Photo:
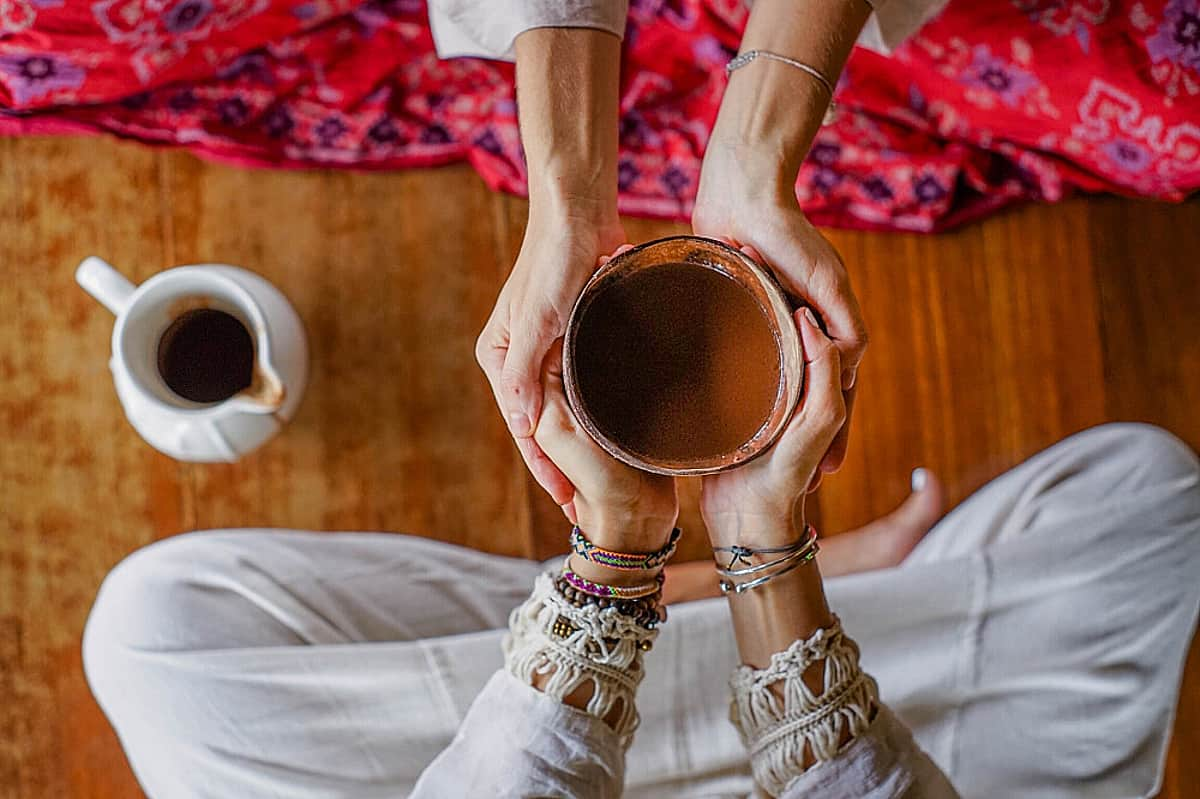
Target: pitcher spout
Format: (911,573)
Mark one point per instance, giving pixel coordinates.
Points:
(266,391)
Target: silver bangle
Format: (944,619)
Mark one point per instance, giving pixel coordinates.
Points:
(799,548)
(748,56)
(797,555)
(738,588)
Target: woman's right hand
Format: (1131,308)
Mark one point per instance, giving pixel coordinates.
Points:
(761,504)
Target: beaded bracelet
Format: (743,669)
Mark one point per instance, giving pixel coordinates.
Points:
(645,611)
(611,591)
(622,561)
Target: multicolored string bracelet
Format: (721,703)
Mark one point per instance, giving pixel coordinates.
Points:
(622,561)
(611,591)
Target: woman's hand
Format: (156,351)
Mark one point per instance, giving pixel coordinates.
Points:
(557,257)
(759,208)
(761,504)
(769,115)
(567,93)
(618,507)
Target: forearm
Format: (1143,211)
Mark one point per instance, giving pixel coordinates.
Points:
(567,95)
(771,111)
(800,698)
(767,619)
(649,536)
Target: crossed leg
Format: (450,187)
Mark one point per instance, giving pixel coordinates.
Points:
(1033,640)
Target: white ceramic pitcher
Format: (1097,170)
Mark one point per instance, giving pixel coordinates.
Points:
(193,431)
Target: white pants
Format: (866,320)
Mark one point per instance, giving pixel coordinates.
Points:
(1034,641)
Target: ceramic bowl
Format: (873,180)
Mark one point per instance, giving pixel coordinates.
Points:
(747,273)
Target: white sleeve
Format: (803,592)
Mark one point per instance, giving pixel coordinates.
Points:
(515,741)
(896,20)
(488,28)
(883,763)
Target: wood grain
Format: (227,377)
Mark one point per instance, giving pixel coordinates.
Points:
(989,344)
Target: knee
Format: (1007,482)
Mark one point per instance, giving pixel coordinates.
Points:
(1149,480)
(150,602)
(1152,453)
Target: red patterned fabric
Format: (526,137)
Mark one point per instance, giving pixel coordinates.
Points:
(994,102)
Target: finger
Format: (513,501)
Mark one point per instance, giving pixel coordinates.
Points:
(491,358)
(837,450)
(491,353)
(520,379)
(558,433)
(823,410)
(843,319)
(603,259)
(491,348)
(547,475)
(850,374)
(749,250)
(824,284)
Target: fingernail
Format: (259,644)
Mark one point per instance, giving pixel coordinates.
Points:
(812,320)
(848,378)
(518,423)
(920,477)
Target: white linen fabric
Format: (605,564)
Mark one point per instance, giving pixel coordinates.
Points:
(1033,643)
(488,28)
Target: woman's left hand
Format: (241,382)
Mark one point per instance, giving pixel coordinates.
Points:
(618,507)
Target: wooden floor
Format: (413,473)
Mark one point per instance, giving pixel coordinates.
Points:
(988,345)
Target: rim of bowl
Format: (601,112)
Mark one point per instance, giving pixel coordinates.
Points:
(770,298)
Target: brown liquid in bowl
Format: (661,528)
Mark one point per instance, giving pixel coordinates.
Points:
(676,362)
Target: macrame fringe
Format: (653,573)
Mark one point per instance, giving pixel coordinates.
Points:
(777,729)
(550,637)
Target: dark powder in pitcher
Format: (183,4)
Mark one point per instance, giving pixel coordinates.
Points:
(206,356)
(676,362)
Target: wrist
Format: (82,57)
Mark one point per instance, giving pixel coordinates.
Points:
(767,619)
(757,530)
(622,533)
(587,196)
(567,93)
(768,117)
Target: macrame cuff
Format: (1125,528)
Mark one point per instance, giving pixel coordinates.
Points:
(572,645)
(777,730)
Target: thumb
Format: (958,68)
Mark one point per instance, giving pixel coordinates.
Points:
(521,385)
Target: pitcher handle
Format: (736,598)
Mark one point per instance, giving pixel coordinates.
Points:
(98,278)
